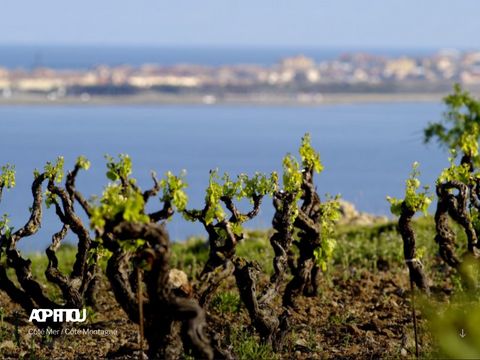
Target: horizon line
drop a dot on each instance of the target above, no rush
(237, 46)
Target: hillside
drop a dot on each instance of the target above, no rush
(362, 309)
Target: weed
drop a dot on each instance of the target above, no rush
(226, 302)
(248, 347)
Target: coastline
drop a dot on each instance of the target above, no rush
(252, 99)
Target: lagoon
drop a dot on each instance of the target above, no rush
(367, 149)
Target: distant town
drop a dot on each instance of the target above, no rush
(297, 79)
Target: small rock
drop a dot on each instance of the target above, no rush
(7, 344)
(301, 345)
(178, 281)
(403, 352)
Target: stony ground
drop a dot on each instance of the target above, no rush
(363, 309)
(362, 316)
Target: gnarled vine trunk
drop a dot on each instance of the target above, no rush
(73, 286)
(415, 267)
(163, 307)
(305, 270)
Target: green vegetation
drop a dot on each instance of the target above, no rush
(414, 200)
(362, 248)
(273, 293)
(247, 347)
(226, 302)
(459, 129)
(131, 243)
(357, 245)
(457, 194)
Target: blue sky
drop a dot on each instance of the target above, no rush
(311, 23)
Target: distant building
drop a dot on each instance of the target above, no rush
(400, 69)
(299, 62)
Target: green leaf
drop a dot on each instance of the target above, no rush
(459, 129)
(54, 171)
(460, 173)
(7, 176)
(5, 228)
(292, 175)
(83, 162)
(414, 200)
(173, 190)
(121, 168)
(310, 158)
(112, 175)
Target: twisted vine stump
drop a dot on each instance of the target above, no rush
(260, 309)
(75, 287)
(173, 321)
(270, 325)
(305, 270)
(415, 267)
(455, 206)
(282, 238)
(445, 237)
(166, 302)
(222, 242)
(219, 266)
(223, 261)
(474, 204)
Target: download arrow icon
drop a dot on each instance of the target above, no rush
(463, 334)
